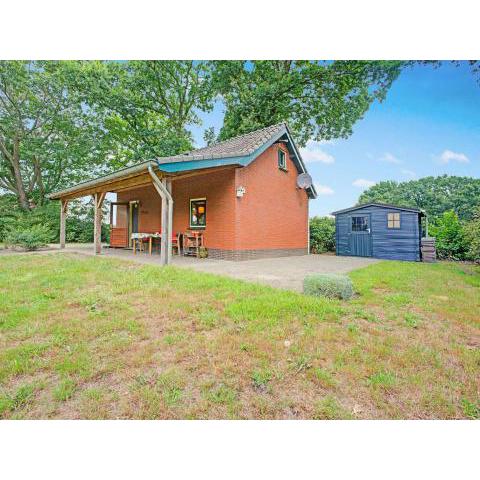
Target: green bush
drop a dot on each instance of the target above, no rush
(8, 208)
(472, 236)
(450, 240)
(328, 285)
(30, 238)
(322, 234)
(79, 225)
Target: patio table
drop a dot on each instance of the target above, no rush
(141, 236)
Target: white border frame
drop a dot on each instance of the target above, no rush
(196, 227)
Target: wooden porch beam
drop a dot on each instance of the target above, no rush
(113, 186)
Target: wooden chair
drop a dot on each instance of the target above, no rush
(176, 243)
(144, 242)
(156, 244)
(192, 241)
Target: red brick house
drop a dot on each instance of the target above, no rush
(243, 194)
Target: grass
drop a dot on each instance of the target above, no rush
(383, 380)
(329, 409)
(64, 390)
(95, 338)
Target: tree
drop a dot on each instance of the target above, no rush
(145, 106)
(46, 135)
(472, 235)
(319, 100)
(61, 122)
(209, 136)
(435, 195)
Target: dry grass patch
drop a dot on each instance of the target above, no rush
(102, 338)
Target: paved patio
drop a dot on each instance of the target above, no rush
(283, 272)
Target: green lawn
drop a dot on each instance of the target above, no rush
(84, 337)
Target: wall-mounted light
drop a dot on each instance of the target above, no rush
(241, 191)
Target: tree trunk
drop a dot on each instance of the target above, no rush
(22, 197)
(38, 180)
(14, 159)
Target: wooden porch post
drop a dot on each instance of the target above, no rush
(97, 231)
(167, 204)
(170, 221)
(63, 216)
(165, 230)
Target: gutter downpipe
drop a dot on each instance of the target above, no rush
(167, 200)
(308, 225)
(168, 186)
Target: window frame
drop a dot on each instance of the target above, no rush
(282, 166)
(394, 221)
(192, 201)
(366, 223)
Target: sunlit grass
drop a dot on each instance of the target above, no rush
(84, 337)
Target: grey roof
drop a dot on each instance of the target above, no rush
(382, 205)
(240, 146)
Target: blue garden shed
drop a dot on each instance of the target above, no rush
(380, 231)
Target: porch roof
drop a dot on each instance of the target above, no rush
(238, 151)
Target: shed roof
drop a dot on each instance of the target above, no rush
(237, 151)
(381, 205)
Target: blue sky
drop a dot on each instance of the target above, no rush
(429, 124)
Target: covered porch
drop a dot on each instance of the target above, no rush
(142, 216)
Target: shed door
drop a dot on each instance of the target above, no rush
(360, 236)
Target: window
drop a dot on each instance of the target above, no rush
(359, 224)
(282, 160)
(198, 212)
(393, 220)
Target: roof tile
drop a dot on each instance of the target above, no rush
(234, 147)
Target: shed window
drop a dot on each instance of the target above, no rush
(282, 160)
(198, 212)
(393, 220)
(359, 224)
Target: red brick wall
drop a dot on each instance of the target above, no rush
(150, 216)
(273, 213)
(219, 190)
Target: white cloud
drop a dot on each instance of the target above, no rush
(313, 153)
(449, 156)
(387, 157)
(409, 173)
(324, 189)
(363, 183)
